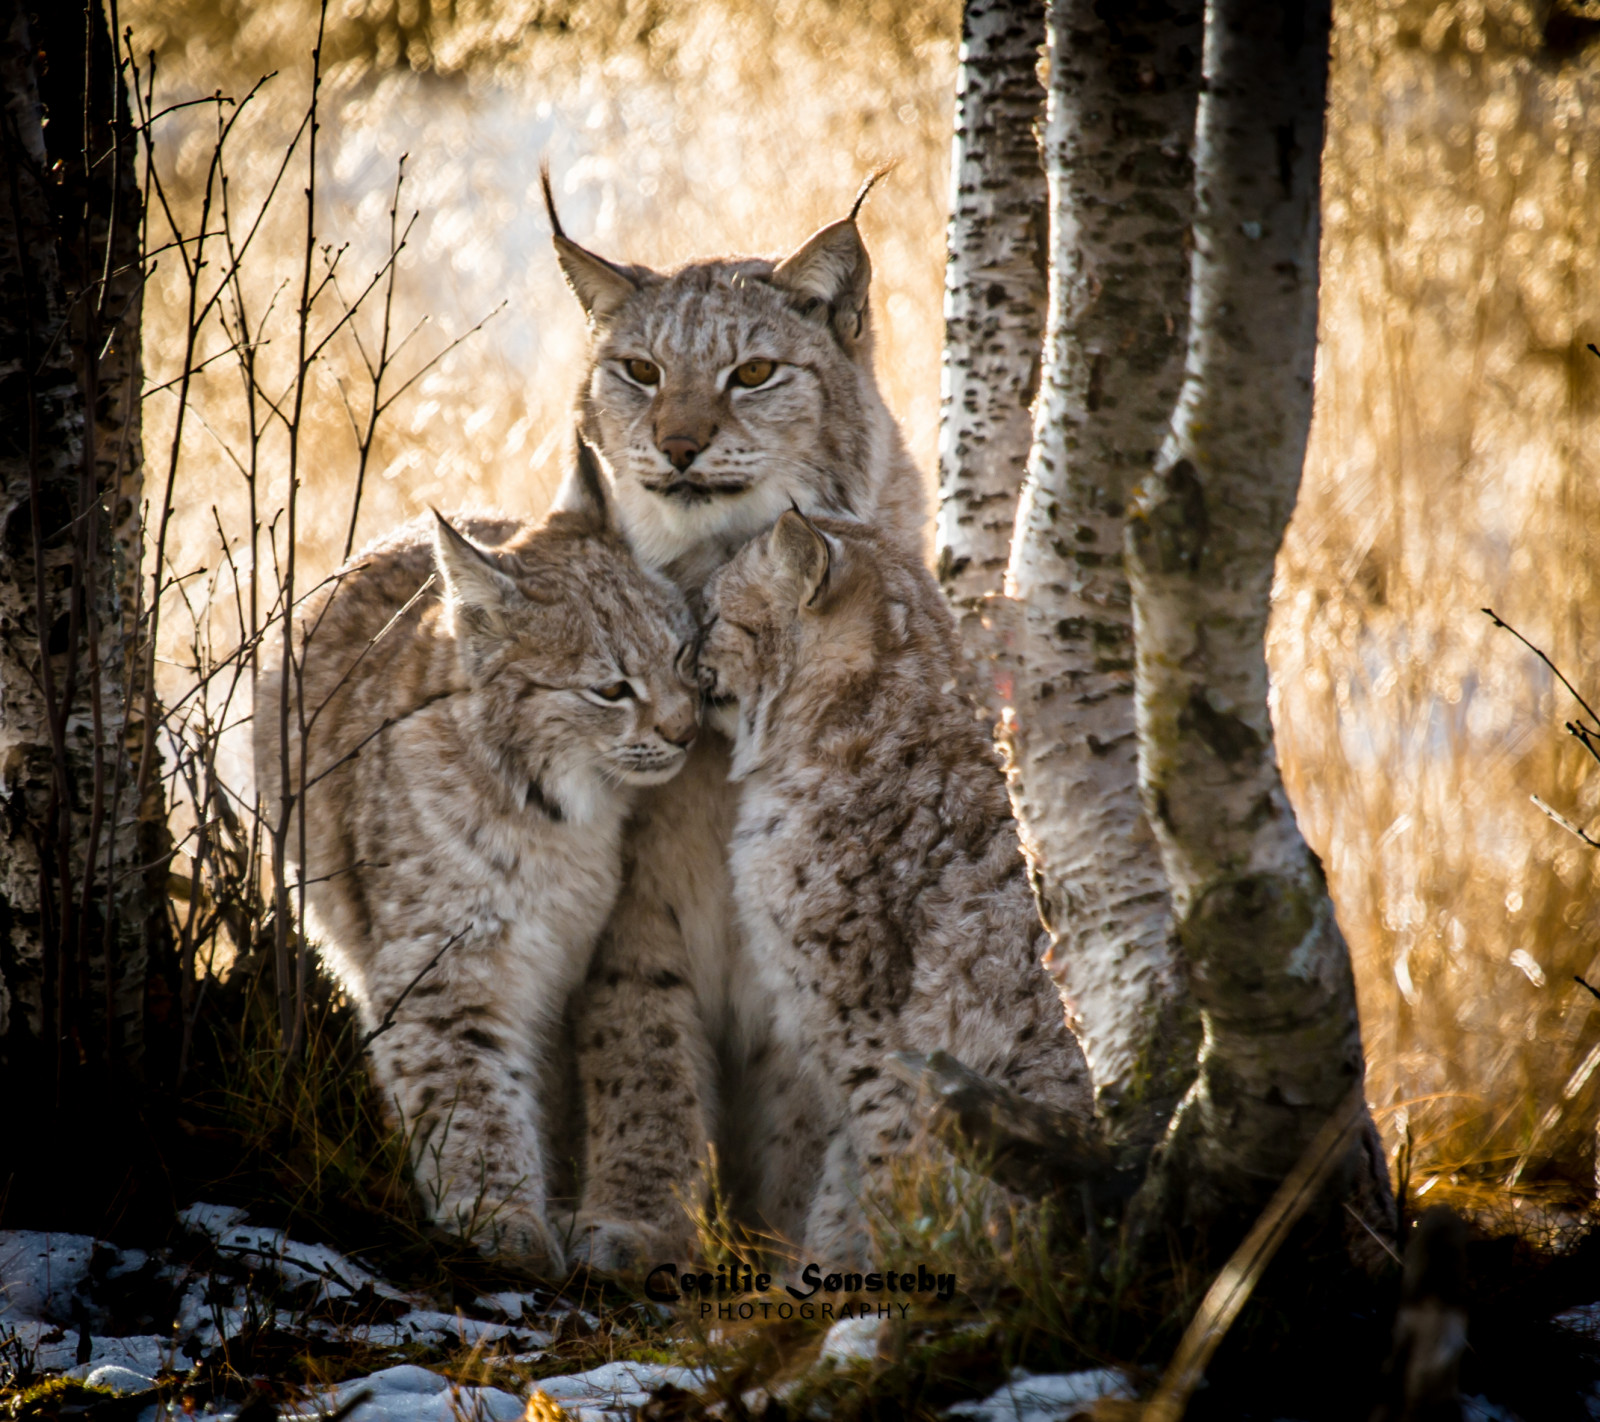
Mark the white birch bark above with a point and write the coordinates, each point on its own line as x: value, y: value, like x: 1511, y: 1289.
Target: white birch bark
x: 994, y: 313
x: 1122, y: 92
x: 1269, y: 968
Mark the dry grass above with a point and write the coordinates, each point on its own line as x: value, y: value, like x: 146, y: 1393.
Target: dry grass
x: 1451, y: 469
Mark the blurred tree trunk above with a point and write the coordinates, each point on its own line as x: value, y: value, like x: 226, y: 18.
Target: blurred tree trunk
x: 79, y: 895
x: 1269, y: 967
x: 1122, y: 91
x: 994, y: 313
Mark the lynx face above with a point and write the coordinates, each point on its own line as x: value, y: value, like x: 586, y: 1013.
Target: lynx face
x: 579, y: 663
x: 747, y: 650
x: 714, y: 398
x: 797, y: 616
x: 729, y: 390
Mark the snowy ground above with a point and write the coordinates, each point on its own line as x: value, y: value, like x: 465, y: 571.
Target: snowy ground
x: 126, y: 1321
x: 65, y: 1301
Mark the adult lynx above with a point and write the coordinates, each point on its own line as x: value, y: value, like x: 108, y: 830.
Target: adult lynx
x: 470, y: 763
x: 720, y: 394
x: 875, y: 863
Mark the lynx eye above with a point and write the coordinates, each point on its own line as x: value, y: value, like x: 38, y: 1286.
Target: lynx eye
x: 753, y: 373
x: 613, y: 691
x: 646, y: 372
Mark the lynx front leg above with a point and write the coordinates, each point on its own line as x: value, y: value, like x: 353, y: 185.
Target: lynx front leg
x: 837, y: 1236
x: 647, y: 1019
x: 858, y: 1169
x: 779, y: 1119
x: 645, y: 1068
x: 460, y: 1068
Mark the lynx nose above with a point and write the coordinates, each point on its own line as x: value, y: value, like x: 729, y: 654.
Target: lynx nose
x: 678, y: 733
x: 681, y: 450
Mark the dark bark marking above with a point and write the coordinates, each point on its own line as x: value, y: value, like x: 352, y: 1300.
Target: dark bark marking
x: 1224, y: 734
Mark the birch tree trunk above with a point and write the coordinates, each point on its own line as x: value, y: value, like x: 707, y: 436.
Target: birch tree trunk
x: 1122, y: 92
x: 994, y: 314
x: 76, y: 907
x: 1269, y: 968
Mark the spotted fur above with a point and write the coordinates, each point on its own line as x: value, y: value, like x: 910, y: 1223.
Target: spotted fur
x: 875, y: 862
x: 676, y: 1041
x: 479, y: 716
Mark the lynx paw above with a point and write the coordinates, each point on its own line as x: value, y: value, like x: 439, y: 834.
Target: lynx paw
x: 522, y: 1236
x: 620, y: 1247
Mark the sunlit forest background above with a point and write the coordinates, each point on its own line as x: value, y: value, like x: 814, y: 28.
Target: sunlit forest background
x: 1450, y: 466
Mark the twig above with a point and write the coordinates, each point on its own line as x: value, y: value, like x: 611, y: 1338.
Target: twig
x: 1025, y: 1145
x: 388, y: 1017
x: 360, y: 745
x: 1377, y: 1238
x: 1594, y: 716
x: 1234, y: 1285
x: 367, y: 646
x: 1565, y: 823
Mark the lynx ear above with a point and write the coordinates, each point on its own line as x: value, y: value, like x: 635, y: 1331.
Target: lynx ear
x: 584, y: 495
x: 802, y: 553
x: 831, y: 268
x: 475, y: 588
x: 600, y: 286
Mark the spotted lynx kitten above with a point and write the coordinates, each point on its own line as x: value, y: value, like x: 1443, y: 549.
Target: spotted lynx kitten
x: 719, y: 394
x: 875, y: 862
x: 474, y: 748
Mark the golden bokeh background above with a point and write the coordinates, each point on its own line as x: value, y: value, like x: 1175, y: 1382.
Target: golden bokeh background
x: 1450, y: 466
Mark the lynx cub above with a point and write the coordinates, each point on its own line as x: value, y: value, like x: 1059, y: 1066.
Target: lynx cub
x: 875, y: 863
x: 472, y: 753
x: 719, y: 393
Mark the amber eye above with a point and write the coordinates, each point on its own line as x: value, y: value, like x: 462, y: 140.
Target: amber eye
x: 646, y: 372
x: 613, y: 691
x: 753, y: 373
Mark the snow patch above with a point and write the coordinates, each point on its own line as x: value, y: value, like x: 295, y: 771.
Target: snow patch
x: 851, y: 1340
x: 410, y: 1394
x: 120, y: 1380
x: 616, y: 1389
x: 140, y: 1355
x: 1585, y: 1319
x: 40, y: 1272
x: 1049, y: 1397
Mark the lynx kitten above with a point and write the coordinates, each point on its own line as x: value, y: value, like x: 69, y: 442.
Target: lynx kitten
x: 719, y: 393
x: 875, y: 863
x: 472, y: 748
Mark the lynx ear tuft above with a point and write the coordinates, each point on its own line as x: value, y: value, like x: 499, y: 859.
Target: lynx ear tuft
x: 882, y: 171
x: 831, y: 269
x: 584, y: 495
x: 475, y: 587
x: 802, y: 553
x: 600, y: 286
